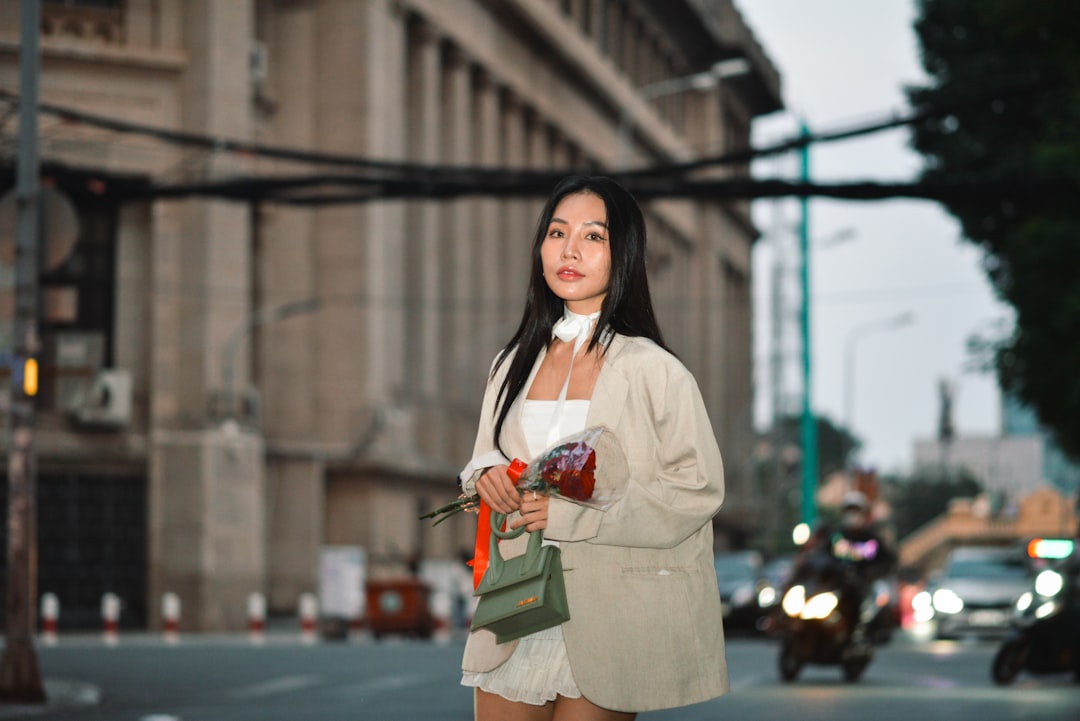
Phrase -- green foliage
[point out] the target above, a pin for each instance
(834, 443)
(922, 497)
(1010, 73)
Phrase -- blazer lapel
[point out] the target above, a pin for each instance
(610, 392)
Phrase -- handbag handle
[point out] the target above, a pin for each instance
(496, 563)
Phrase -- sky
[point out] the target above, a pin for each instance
(844, 62)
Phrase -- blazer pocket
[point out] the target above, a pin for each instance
(659, 571)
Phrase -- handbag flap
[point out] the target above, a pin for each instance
(517, 570)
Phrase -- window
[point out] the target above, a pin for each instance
(98, 20)
(76, 303)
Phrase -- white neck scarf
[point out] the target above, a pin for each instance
(574, 327)
(571, 327)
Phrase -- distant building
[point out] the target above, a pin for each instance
(1020, 460)
(1018, 419)
(1010, 465)
(230, 384)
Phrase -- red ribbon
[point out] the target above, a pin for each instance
(482, 550)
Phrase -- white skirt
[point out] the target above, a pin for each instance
(536, 673)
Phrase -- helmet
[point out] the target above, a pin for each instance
(856, 499)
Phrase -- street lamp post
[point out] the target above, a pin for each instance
(704, 80)
(807, 421)
(232, 345)
(858, 333)
(20, 675)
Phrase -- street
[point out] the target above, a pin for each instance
(142, 678)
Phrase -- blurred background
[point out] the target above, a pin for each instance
(282, 240)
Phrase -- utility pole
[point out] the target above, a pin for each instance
(20, 676)
(809, 423)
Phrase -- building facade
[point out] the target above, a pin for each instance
(230, 386)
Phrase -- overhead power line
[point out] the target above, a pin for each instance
(336, 190)
(382, 179)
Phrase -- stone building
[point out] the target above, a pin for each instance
(230, 386)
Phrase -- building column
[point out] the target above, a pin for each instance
(382, 235)
(425, 225)
(296, 529)
(460, 237)
(489, 238)
(538, 141)
(519, 220)
(206, 490)
(287, 349)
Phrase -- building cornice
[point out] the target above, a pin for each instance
(85, 51)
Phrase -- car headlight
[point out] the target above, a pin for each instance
(742, 595)
(766, 596)
(922, 606)
(1046, 608)
(946, 601)
(1024, 602)
(1049, 583)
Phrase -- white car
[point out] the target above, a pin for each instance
(977, 591)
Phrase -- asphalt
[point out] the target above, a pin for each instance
(59, 693)
(67, 693)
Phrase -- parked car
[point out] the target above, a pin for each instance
(745, 594)
(777, 571)
(977, 590)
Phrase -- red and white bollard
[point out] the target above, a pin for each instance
(110, 618)
(309, 617)
(50, 618)
(256, 614)
(170, 616)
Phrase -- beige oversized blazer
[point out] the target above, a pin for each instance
(645, 627)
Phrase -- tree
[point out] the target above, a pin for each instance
(777, 470)
(835, 443)
(920, 498)
(1009, 75)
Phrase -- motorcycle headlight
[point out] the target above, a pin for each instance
(946, 601)
(1024, 602)
(794, 600)
(820, 606)
(1049, 583)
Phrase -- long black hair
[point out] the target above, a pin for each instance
(627, 308)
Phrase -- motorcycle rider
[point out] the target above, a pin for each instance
(865, 554)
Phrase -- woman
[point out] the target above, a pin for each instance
(645, 620)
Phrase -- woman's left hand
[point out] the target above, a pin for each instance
(534, 512)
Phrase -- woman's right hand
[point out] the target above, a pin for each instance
(498, 491)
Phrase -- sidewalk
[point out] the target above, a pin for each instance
(59, 693)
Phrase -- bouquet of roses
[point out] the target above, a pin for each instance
(567, 470)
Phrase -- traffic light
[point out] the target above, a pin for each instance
(30, 377)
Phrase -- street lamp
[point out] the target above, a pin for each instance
(857, 333)
(704, 80)
(232, 345)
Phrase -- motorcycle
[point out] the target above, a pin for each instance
(815, 622)
(1045, 633)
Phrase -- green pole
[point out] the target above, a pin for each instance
(809, 427)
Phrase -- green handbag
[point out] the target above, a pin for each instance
(524, 594)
